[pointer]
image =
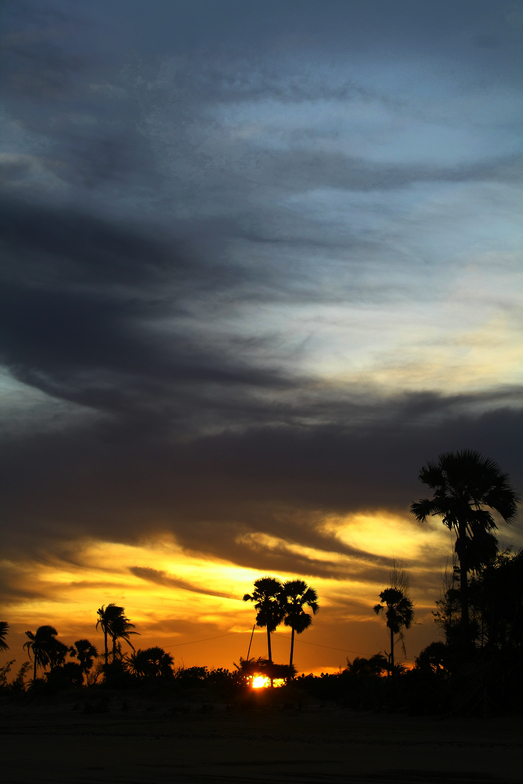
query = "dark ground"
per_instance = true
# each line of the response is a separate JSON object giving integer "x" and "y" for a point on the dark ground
{"x": 134, "y": 740}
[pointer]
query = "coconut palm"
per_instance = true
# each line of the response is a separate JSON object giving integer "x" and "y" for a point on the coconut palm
{"x": 115, "y": 625}
{"x": 466, "y": 487}
{"x": 269, "y": 603}
{"x": 106, "y": 616}
{"x": 44, "y": 648}
{"x": 399, "y": 613}
{"x": 4, "y": 628}
{"x": 121, "y": 629}
{"x": 297, "y": 595}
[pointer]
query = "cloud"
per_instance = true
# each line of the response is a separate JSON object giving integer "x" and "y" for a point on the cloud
{"x": 159, "y": 577}
{"x": 120, "y": 481}
{"x": 238, "y": 301}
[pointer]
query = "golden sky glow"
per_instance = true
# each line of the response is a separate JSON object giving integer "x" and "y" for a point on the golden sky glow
{"x": 177, "y": 599}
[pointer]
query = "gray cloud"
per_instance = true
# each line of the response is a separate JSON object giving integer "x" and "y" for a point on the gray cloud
{"x": 112, "y": 481}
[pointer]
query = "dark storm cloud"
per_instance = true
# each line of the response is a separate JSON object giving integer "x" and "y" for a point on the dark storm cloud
{"x": 86, "y": 136}
{"x": 213, "y": 493}
{"x": 78, "y": 301}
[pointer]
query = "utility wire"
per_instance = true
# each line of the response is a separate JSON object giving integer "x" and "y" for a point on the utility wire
{"x": 206, "y": 639}
{"x": 247, "y": 631}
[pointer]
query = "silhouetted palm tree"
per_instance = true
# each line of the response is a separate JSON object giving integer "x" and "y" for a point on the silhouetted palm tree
{"x": 4, "y": 628}
{"x": 85, "y": 652}
{"x": 297, "y": 595}
{"x": 115, "y": 625}
{"x": 44, "y": 648}
{"x": 466, "y": 485}
{"x": 121, "y": 630}
{"x": 150, "y": 663}
{"x": 373, "y": 666}
{"x": 269, "y": 602}
{"x": 106, "y": 616}
{"x": 399, "y": 613}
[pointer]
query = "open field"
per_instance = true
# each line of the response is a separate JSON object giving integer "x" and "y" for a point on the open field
{"x": 151, "y": 742}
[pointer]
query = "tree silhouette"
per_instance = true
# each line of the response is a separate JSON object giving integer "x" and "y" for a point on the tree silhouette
{"x": 86, "y": 653}
{"x": 44, "y": 648}
{"x": 435, "y": 658}
{"x": 466, "y": 486}
{"x": 297, "y": 595}
{"x": 115, "y": 625}
{"x": 150, "y": 663}
{"x": 121, "y": 629}
{"x": 373, "y": 666}
{"x": 502, "y": 602}
{"x": 4, "y": 628}
{"x": 269, "y": 603}
{"x": 106, "y": 616}
{"x": 399, "y": 613}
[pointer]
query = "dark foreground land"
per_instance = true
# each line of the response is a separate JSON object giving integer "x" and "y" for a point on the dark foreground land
{"x": 118, "y": 738}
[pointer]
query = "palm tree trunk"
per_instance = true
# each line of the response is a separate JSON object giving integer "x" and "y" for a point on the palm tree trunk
{"x": 463, "y": 592}
{"x": 34, "y": 666}
{"x": 269, "y": 644}
{"x": 292, "y": 646}
{"x": 105, "y": 642}
{"x": 464, "y": 597}
{"x": 391, "y": 652}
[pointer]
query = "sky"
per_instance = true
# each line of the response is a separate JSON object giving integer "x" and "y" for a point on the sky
{"x": 261, "y": 261}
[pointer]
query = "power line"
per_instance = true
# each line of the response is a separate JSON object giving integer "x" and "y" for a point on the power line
{"x": 248, "y": 631}
{"x": 343, "y": 650}
{"x": 206, "y": 639}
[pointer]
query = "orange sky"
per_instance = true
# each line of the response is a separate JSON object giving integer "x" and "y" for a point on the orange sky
{"x": 192, "y": 606}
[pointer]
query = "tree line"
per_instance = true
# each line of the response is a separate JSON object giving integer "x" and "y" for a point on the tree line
{"x": 480, "y": 613}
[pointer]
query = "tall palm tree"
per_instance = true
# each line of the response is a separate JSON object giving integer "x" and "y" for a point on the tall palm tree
{"x": 466, "y": 486}
{"x": 269, "y": 603}
{"x": 115, "y": 625}
{"x": 106, "y": 616}
{"x": 297, "y": 595}
{"x": 4, "y": 628}
{"x": 121, "y": 630}
{"x": 44, "y": 648}
{"x": 399, "y": 613}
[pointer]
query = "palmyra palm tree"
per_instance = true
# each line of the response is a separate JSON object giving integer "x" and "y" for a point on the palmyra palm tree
{"x": 466, "y": 486}
{"x": 115, "y": 625}
{"x": 269, "y": 603}
{"x": 297, "y": 595}
{"x": 44, "y": 648}
{"x": 399, "y": 613}
{"x": 4, "y": 628}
